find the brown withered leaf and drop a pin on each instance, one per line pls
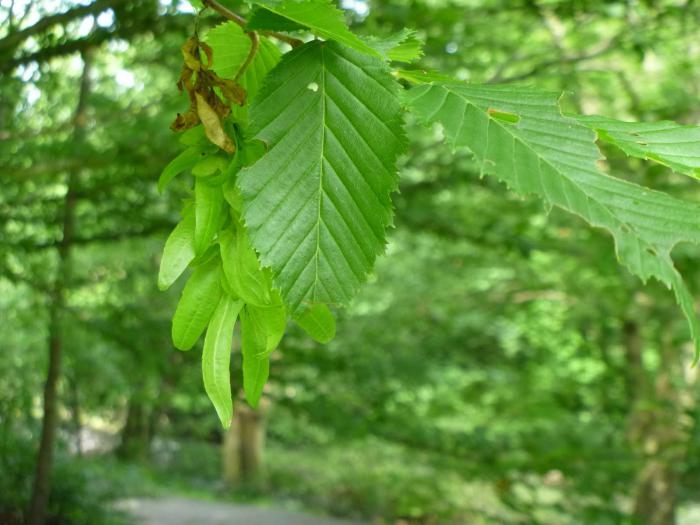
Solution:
(212, 125)
(205, 105)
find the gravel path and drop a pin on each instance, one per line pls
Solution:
(182, 511)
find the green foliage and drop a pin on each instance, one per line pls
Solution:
(216, 357)
(538, 151)
(320, 16)
(318, 322)
(317, 204)
(199, 299)
(310, 207)
(667, 143)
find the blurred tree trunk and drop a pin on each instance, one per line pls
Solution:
(136, 434)
(244, 446)
(75, 414)
(42, 477)
(658, 428)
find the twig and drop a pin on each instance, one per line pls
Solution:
(254, 44)
(242, 22)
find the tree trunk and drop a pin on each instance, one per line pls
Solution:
(243, 446)
(136, 433)
(42, 478)
(658, 429)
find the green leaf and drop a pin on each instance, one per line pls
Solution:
(230, 47)
(184, 161)
(242, 269)
(196, 137)
(216, 357)
(262, 329)
(178, 252)
(318, 322)
(322, 17)
(403, 46)
(555, 157)
(209, 166)
(197, 303)
(266, 20)
(667, 143)
(208, 213)
(318, 203)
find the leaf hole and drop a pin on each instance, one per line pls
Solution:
(313, 86)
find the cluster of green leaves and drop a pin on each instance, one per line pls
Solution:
(295, 220)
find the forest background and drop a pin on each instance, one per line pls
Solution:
(499, 367)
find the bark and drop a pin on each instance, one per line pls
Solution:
(42, 478)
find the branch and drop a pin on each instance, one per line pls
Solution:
(14, 39)
(238, 19)
(537, 68)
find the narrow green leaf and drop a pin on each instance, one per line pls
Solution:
(318, 203)
(667, 143)
(322, 17)
(197, 304)
(242, 269)
(262, 329)
(318, 322)
(208, 213)
(216, 357)
(184, 161)
(555, 157)
(178, 251)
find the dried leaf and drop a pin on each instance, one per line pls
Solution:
(212, 125)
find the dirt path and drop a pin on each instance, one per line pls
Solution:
(182, 511)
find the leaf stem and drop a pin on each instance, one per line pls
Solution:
(238, 19)
(254, 44)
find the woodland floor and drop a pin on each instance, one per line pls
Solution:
(182, 511)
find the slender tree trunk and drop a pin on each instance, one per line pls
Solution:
(136, 434)
(658, 429)
(75, 415)
(244, 445)
(42, 478)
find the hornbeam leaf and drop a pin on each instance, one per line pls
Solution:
(322, 17)
(265, 19)
(208, 209)
(403, 46)
(230, 46)
(667, 143)
(318, 322)
(261, 331)
(318, 203)
(545, 153)
(197, 304)
(216, 357)
(178, 252)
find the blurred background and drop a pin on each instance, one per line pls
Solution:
(499, 367)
